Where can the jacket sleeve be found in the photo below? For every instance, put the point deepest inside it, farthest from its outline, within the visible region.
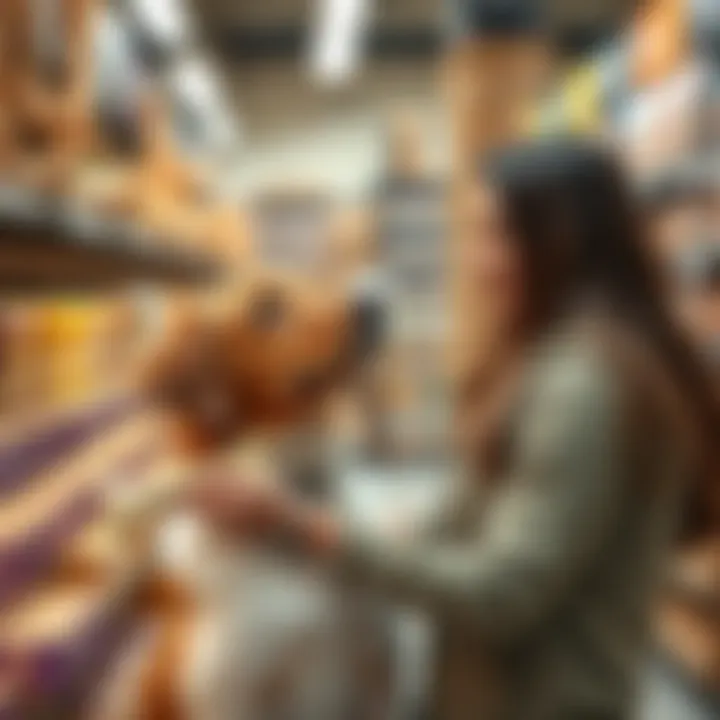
(545, 530)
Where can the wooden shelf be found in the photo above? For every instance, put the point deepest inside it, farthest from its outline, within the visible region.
(47, 246)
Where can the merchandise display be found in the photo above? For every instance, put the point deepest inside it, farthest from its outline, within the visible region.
(161, 323)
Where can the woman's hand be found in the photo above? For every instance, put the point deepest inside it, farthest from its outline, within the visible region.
(242, 506)
(263, 512)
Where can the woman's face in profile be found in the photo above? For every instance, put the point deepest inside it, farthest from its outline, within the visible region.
(492, 258)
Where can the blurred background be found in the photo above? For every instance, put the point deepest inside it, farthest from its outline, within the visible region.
(155, 149)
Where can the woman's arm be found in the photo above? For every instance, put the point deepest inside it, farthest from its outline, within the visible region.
(543, 533)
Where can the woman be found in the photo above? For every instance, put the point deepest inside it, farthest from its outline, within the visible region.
(541, 593)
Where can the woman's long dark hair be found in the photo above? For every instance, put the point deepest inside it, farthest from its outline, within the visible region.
(568, 207)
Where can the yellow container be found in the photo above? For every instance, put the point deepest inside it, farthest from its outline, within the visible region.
(74, 336)
(583, 99)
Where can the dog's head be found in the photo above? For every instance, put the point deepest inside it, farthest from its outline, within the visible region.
(266, 357)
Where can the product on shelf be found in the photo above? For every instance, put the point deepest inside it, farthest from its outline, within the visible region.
(277, 347)
(51, 508)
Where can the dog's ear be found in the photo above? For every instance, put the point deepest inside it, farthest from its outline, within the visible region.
(161, 354)
(187, 378)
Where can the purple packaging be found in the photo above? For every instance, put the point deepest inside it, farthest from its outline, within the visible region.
(9, 696)
(22, 459)
(28, 558)
(25, 560)
(64, 675)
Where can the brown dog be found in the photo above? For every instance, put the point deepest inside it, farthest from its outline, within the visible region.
(263, 359)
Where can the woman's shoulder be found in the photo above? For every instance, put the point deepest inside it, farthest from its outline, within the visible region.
(592, 348)
(595, 356)
(571, 361)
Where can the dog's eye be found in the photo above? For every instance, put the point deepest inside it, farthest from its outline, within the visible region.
(268, 311)
(310, 384)
(174, 392)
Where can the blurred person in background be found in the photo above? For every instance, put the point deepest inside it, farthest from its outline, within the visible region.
(593, 430)
(682, 207)
(684, 679)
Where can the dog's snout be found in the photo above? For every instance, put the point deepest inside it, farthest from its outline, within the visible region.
(169, 389)
(369, 312)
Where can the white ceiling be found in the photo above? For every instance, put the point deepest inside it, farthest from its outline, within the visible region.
(391, 12)
(285, 12)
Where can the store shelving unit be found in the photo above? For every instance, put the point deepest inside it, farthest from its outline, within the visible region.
(45, 247)
(61, 245)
